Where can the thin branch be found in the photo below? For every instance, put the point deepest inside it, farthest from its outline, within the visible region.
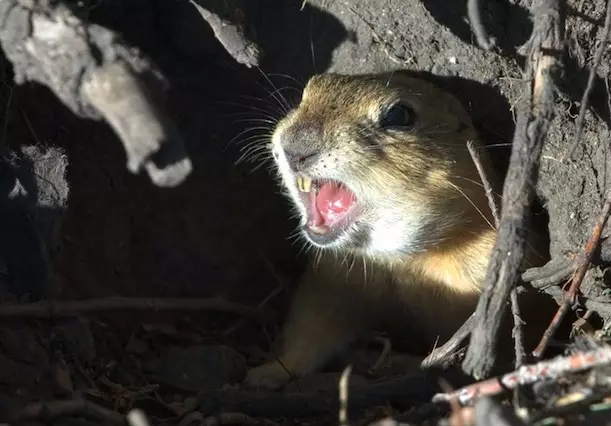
(412, 389)
(474, 9)
(518, 334)
(543, 278)
(232, 35)
(529, 374)
(590, 85)
(55, 309)
(77, 407)
(343, 396)
(492, 204)
(560, 269)
(136, 417)
(446, 353)
(518, 329)
(552, 273)
(601, 305)
(584, 264)
(545, 48)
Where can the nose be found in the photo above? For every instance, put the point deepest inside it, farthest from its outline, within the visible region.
(300, 158)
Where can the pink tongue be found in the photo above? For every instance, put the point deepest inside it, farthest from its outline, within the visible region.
(333, 202)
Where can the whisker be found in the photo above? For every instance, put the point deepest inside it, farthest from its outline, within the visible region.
(473, 204)
(254, 108)
(255, 120)
(266, 102)
(282, 102)
(300, 83)
(242, 133)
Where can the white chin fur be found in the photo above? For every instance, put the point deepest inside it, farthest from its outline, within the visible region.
(394, 235)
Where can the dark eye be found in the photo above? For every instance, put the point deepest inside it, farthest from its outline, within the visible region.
(398, 115)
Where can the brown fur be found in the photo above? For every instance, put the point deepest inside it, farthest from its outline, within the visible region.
(425, 175)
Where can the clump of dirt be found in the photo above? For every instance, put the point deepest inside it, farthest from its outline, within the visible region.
(78, 225)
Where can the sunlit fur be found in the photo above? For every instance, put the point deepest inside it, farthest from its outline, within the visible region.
(414, 187)
(430, 227)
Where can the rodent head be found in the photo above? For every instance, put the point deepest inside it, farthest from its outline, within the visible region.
(378, 164)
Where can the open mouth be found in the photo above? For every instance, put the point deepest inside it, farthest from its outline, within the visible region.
(330, 208)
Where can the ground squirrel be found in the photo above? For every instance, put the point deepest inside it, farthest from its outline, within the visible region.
(378, 169)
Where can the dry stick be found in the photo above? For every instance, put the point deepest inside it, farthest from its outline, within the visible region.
(76, 407)
(475, 19)
(560, 269)
(445, 353)
(52, 309)
(518, 334)
(552, 273)
(518, 330)
(590, 85)
(231, 35)
(529, 374)
(487, 187)
(600, 305)
(413, 389)
(136, 417)
(545, 279)
(343, 396)
(571, 294)
(545, 47)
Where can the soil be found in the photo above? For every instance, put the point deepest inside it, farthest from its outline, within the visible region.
(78, 225)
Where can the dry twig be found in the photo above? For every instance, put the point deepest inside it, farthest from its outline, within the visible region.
(590, 85)
(529, 374)
(560, 269)
(343, 396)
(445, 354)
(52, 309)
(584, 263)
(492, 203)
(76, 407)
(137, 417)
(474, 11)
(232, 35)
(518, 334)
(412, 389)
(545, 48)
(518, 329)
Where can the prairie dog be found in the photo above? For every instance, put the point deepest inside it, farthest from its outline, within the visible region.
(378, 170)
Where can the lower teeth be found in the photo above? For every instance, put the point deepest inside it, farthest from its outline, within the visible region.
(321, 230)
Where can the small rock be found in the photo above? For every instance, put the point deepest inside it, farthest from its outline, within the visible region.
(198, 368)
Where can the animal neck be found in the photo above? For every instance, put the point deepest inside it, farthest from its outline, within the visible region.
(459, 264)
